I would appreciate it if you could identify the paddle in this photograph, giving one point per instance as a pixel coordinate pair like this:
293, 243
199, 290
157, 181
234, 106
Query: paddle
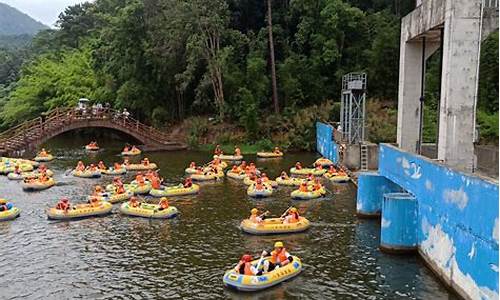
264, 214
260, 262
286, 211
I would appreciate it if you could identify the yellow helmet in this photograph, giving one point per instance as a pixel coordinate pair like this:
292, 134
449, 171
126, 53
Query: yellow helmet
293, 209
278, 245
254, 211
163, 199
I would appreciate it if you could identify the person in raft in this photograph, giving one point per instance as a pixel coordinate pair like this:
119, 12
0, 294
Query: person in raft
218, 150
284, 175
279, 257
254, 216
5, 205
101, 165
145, 161
237, 151
188, 182
63, 204
292, 217
277, 150
43, 153
126, 148
134, 202
163, 203
298, 165
80, 166
245, 267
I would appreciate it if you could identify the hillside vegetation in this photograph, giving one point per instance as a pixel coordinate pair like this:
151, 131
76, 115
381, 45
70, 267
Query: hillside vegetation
169, 61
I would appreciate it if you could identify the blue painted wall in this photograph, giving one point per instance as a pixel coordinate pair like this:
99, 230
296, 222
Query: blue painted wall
325, 144
457, 219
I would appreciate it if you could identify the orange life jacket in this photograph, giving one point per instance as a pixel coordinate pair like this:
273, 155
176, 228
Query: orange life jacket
248, 269
278, 257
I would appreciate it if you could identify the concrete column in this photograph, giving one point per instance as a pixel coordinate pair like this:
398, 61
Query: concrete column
410, 73
459, 76
399, 223
371, 190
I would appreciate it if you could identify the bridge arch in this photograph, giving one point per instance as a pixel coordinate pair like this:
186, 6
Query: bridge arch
32, 133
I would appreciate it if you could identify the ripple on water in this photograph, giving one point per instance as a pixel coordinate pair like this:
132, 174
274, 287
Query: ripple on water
117, 257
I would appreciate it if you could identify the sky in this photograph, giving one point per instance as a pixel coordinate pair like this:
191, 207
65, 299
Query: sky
45, 11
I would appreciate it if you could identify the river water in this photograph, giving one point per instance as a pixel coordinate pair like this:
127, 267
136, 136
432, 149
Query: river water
184, 258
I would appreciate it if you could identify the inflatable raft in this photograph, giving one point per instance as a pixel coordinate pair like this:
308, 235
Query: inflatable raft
131, 152
247, 283
324, 162
113, 171
339, 178
9, 214
9, 168
175, 191
147, 210
47, 158
141, 167
263, 193
23, 175
138, 189
249, 181
229, 157
239, 176
299, 195
269, 154
37, 185
113, 197
290, 181
86, 174
80, 211
274, 226
306, 171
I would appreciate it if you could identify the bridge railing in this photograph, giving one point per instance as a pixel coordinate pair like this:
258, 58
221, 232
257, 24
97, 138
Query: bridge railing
59, 117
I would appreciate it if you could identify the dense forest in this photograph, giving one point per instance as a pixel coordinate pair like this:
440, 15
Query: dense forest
183, 61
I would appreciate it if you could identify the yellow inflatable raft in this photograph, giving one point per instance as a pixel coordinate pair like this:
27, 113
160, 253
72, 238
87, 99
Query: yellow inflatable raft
247, 283
80, 211
206, 177
141, 167
138, 189
229, 157
86, 174
113, 197
9, 214
147, 210
113, 171
249, 181
91, 148
299, 195
306, 171
175, 191
190, 170
132, 152
48, 157
290, 181
37, 185
9, 168
339, 178
269, 154
324, 162
274, 226
23, 175
263, 193
239, 176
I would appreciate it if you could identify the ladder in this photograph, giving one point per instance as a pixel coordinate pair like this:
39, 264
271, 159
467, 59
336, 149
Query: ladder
364, 157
